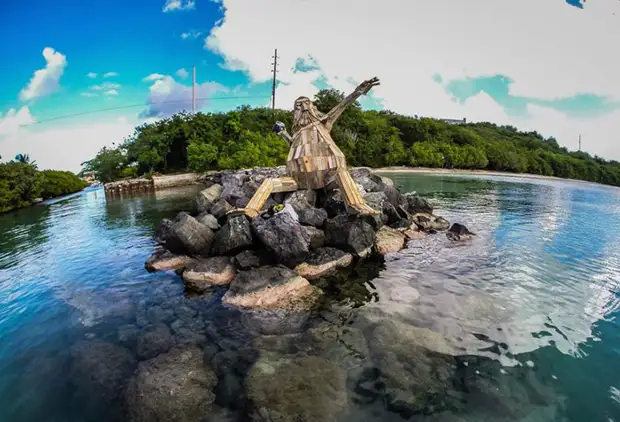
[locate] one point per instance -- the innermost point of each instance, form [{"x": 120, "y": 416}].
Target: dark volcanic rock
[
  {"x": 175, "y": 386},
  {"x": 220, "y": 208},
  {"x": 154, "y": 341},
  {"x": 100, "y": 371},
  {"x": 283, "y": 236},
  {"x": 271, "y": 287},
  {"x": 206, "y": 198},
  {"x": 417, "y": 204},
  {"x": 162, "y": 260},
  {"x": 247, "y": 259},
  {"x": 209, "y": 221},
  {"x": 312, "y": 216},
  {"x": 304, "y": 198},
  {"x": 323, "y": 262},
  {"x": 234, "y": 236},
  {"x": 206, "y": 273},
  {"x": 317, "y": 236},
  {"x": 185, "y": 235},
  {"x": 459, "y": 232},
  {"x": 351, "y": 234},
  {"x": 334, "y": 204}
]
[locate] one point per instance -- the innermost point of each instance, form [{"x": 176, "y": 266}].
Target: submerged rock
[
  {"x": 352, "y": 234},
  {"x": 283, "y": 236},
  {"x": 204, "y": 274},
  {"x": 162, "y": 260},
  {"x": 429, "y": 222},
  {"x": 459, "y": 232},
  {"x": 234, "y": 236},
  {"x": 154, "y": 341},
  {"x": 301, "y": 389},
  {"x": 185, "y": 235},
  {"x": 100, "y": 371},
  {"x": 271, "y": 287},
  {"x": 389, "y": 240},
  {"x": 175, "y": 386},
  {"x": 323, "y": 262}
]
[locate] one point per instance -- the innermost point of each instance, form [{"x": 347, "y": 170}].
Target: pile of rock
[{"x": 268, "y": 260}]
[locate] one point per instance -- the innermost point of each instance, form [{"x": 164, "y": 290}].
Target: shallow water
[{"x": 525, "y": 316}]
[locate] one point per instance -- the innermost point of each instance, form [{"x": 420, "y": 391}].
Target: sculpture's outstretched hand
[
  {"x": 278, "y": 127},
  {"x": 367, "y": 85}
]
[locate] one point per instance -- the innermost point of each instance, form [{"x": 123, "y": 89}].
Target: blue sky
[{"x": 544, "y": 67}]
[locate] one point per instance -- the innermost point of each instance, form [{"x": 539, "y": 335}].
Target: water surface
[{"x": 528, "y": 310}]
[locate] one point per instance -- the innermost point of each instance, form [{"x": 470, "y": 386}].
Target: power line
[{"x": 101, "y": 110}]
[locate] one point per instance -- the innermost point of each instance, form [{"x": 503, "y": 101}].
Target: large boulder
[
  {"x": 389, "y": 240},
  {"x": 271, "y": 287},
  {"x": 334, "y": 204},
  {"x": 301, "y": 199},
  {"x": 100, "y": 371},
  {"x": 175, "y": 386},
  {"x": 317, "y": 236},
  {"x": 283, "y": 236},
  {"x": 162, "y": 260},
  {"x": 210, "y": 272},
  {"x": 208, "y": 220},
  {"x": 232, "y": 183},
  {"x": 323, "y": 262},
  {"x": 417, "y": 204},
  {"x": 247, "y": 259},
  {"x": 352, "y": 234},
  {"x": 220, "y": 208},
  {"x": 312, "y": 216},
  {"x": 206, "y": 198},
  {"x": 296, "y": 389},
  {"x": 234, "y": 236},
  {"x": 185, "y": 235},
  {"x": 154, "y": 341},
  {"x": 429, "y": 222}
]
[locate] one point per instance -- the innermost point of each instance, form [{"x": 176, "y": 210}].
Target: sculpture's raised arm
[
  {"x": 362, "y": 89},
  {"x": 280, "y": 129}
]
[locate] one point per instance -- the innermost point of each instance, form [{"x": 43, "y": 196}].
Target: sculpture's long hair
[{"x": 303, "y": 117}]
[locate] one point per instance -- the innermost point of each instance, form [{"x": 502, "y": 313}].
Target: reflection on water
[{"x": 519, "y": 324}]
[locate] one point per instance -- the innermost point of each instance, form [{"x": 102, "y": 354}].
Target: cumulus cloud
[
  {"x": 111, "y": 93},
  {"x": 524, "y": 40},
  {"x": 182, "y": 73},
  {"x": 88, "y": 94},
  {"x": 77, "y": 142},
  {"x": 172, "y": 5},
  {"x": 110, "y": 74},
  {"x": 106, "y": 86},
  {"x": 91, "y": 75},
  {"x": 11, "y": 122},
  {"x": 167, "y": 96},
  {"x": 153, "y": 77},
  {"x": 47, "y": 80},
  {"x": 191, "y": 34}
]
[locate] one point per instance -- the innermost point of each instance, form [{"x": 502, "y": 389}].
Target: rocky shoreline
[{"x": 268, "y": 262}]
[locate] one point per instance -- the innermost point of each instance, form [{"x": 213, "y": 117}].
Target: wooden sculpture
[{"x": 314, "y": 160}]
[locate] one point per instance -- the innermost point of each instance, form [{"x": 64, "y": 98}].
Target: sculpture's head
[{"x": 304, "y": 113}]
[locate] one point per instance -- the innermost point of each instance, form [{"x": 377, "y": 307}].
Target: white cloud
[
  {"x": 191, "y": 34},
  {"x": 11, "y": 122},
  {"x": 168, "y": 96},
  {"x": 110, "y": 74},
  {"x": 524, "y": 40},
  {"x": 172, "y": 5},
  {"x": 78, "y": 142},
  {"x": 91, "y": 75},
  {"x": 88, "y": 94},
  {"x": 182, "y": 73},
  {"x": 153, "y": 77},
  {"x": 111, "y": 93},
  {"x": 105, "y": 86},
  {"x": 45, "y": 81}
]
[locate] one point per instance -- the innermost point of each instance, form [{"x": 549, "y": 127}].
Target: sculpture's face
[
  {"x": 304, "y": 113},
  {"x": 303, "y": 104}
]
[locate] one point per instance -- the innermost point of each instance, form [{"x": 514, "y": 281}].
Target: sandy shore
[{"x": 480, "y": 173}]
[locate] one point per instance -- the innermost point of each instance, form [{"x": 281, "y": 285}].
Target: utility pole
[
  {"x": 580, "y": 142},
  {"x": 194, "y": 90},
  {"x": 273, "y": 87}
]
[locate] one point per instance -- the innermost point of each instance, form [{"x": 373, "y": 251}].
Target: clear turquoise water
[{"x": 536, "y": 293}]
